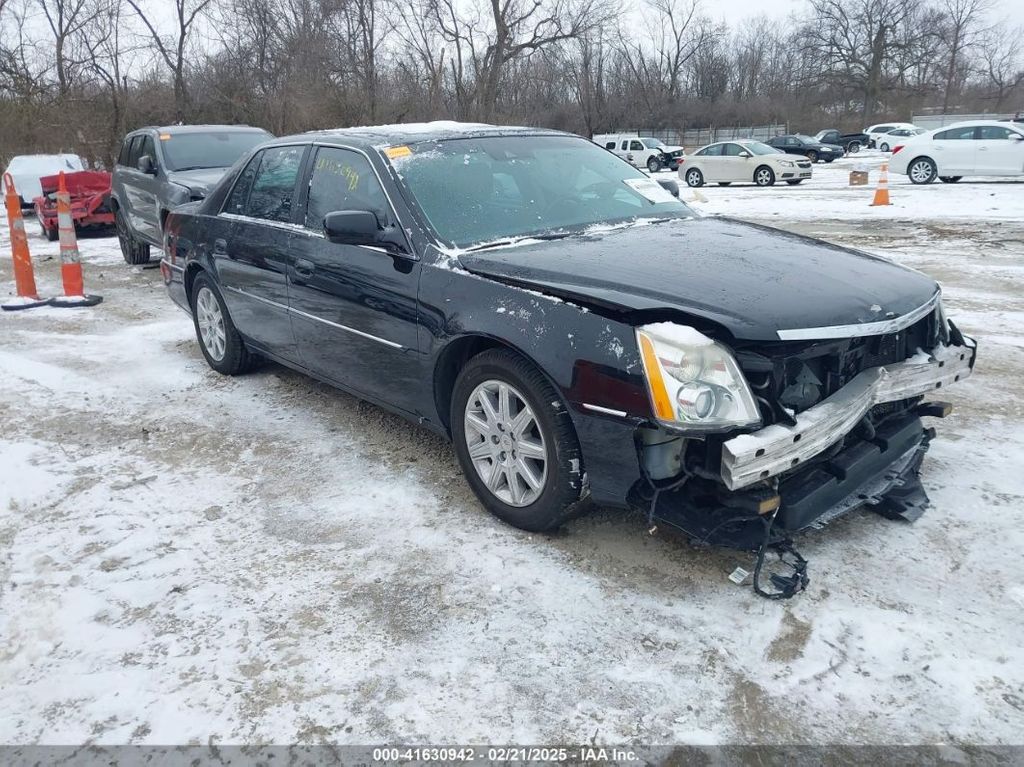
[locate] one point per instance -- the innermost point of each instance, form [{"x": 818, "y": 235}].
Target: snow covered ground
[
  {"x": 191, "y": 558},
  {"x": 828, "y": 195}
]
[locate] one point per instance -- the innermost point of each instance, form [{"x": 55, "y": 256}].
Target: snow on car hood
[{"x": 752, "y": 280}]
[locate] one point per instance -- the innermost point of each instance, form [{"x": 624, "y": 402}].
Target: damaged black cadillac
[{"x": 577, "y": 332}]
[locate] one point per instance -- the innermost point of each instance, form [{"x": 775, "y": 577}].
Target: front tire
[
  {"x": 134, "y": 252},
  {"x": 223, "y": 347},
  {"x": 764, "y": 176},
  {"x": 812, "y": 156},
  {"x": 922, "y": 171},
  {"x": 694, "y": 178},
  {"x": 884, "y": 147},
  {"x": 515, "y": 442},
  {"x": 653, "y": 164}
]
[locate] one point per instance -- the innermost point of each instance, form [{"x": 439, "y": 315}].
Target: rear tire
[
  {"x": 854, "y": 147},
  {"x": 557, "y": 489},
  {"x": 922, "y": 170},
  {"x": 812, "y": 156},
  {"x": 223, "y": 347},
  {"x": 134, "y": 252},
  {"x": 949, "y": 179},
  {"x": 764, "y": 176},
  {"x": 694, "y": 178}
]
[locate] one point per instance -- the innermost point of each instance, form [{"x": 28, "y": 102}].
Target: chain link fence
[{"x": 693, "y": 138}]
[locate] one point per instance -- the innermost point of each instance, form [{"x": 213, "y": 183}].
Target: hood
[
  {"x": 200, "y": 181},
  {"x": 752, "y": 280},
  {"x": 670, "y": 149}
]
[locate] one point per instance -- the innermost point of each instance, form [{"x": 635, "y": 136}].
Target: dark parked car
[
  {"x": 809, "y": 147},
  {"x": 851, "y": 143},
  {"x": 575, "y": 329},
  {"x": 159, "y": 168}
]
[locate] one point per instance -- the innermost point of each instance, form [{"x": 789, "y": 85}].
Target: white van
[{"x": 642, "y": 151}]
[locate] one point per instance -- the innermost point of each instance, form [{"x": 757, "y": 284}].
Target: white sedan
[
  {"x": 743, "y": 161},
  {"x": 973, "y": 148},
  {"x": 27, "y": 169}
]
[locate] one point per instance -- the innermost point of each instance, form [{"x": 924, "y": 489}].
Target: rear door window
[
  {"x": 956, "y": 134},
  {"x": 239, "y": 197},
  {"x": 273, "y": 189},
  {"x": 342, "y": 180}
]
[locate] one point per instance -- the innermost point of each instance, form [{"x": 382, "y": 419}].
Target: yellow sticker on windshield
[
  {"x": 394, "y": 152},
  {"x": 164, "y": 136}
]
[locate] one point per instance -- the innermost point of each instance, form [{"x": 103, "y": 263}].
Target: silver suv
[{"x": 160, "y": 168}]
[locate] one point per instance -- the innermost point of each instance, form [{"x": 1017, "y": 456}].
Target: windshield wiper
[
  {"x": 515, "y": 240},
  {"x": 197, "y": 167}
]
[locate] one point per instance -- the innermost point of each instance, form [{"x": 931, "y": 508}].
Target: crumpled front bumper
[{"x": 750, "y": 458}]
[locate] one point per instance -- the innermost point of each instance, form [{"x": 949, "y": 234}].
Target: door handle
[
  {"x": 304, "y": 268},
  {"x": 982, "y": 148},
  {"x": 220, "y": 247}
]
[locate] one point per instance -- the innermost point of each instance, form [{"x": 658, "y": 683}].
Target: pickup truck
[{"x": 850, "y": 142}]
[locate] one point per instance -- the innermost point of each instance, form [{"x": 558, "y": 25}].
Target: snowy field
[{"x": 191, "y": 558}]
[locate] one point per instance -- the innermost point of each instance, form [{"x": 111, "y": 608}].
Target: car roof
[
  {"x": 974, "y": 123},
  {"x": 179, "y": 129},
  {"x": 412, "y": 133}
]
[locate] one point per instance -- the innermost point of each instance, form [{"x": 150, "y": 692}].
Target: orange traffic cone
[
  {"x": 24, "y": 277},
  {"x": 70, "y": 260},
  {"x": 882, "y": 192}
]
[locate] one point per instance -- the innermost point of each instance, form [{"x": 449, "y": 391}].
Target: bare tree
[
  {"x": 1002, "y": 63},
  {"x": 961, "y": 30},
  {"x": 173, "y": 50}
]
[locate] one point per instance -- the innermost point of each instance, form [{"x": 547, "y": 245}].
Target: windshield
[
  {"x": 821, "y": 134},
  {"x": 757, "y": 148},
  {"x": 480, "y": 190},
  {"x": 220, "y": 149},
  {"x": 806, "y": 139},
  {"x": 653, "y": 142}
]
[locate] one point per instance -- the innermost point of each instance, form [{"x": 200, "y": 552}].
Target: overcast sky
[{"x": 737, "y": 10}]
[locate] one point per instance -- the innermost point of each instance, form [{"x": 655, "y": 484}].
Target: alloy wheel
[
  {"x": 505, "y": 442},
  {"x": 921, "y": 172},
  {"x": 210, "y": 320}
]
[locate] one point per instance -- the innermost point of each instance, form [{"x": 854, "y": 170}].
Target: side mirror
[
  {"x": 745, "y": 155},
  {"x": 146, "y": 165},
  {"x": 669, "y": 185},
  {"x": 1016, "y": 137},
  {"x": 352, "y": 227}
]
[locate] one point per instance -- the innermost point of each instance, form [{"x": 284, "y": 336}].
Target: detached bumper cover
[{"x": 749, "y": 458}]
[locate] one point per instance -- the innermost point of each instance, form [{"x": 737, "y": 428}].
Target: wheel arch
[{"x": 454, "y": 356}]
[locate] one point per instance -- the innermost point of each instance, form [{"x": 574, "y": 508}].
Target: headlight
[
  {"x": 179, "y": 192},
  {"x": 693, "y": 381},
  {"x": 787, "y": 164}
]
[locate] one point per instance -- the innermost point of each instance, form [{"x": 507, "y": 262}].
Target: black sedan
[
  {"x": 575, "y": 330},
  {"x": 809, "y": 147}
]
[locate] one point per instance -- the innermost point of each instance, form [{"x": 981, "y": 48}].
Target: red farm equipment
[{"x": 90, "y": 201}]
